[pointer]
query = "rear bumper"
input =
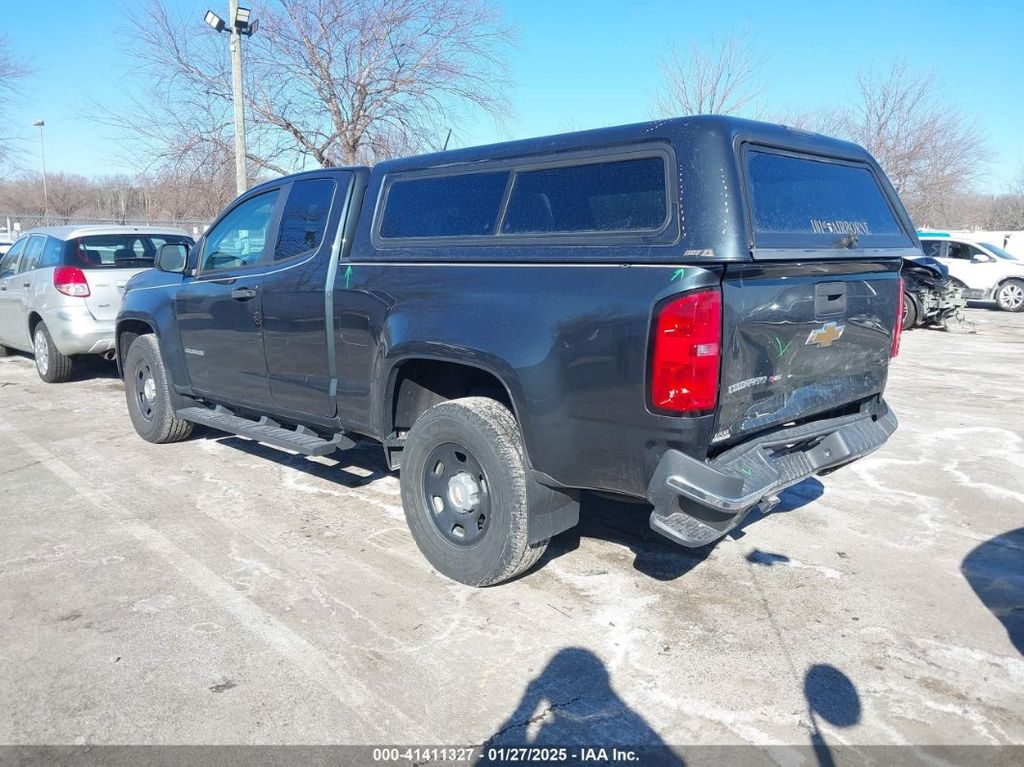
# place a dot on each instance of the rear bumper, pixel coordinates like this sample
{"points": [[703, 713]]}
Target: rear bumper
{"points": [[697, 502], [75, 331]]}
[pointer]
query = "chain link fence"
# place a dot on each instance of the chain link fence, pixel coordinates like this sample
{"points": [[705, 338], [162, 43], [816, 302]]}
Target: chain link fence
{"points": [[15, 224]]}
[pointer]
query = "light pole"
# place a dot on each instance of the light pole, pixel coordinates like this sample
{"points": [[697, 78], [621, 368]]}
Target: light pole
{"points": [[240, 25], [42, 155]]}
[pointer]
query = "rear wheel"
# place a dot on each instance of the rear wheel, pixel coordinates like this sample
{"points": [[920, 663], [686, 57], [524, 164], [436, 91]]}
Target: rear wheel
{"points": [[1010, 296], [464, 490], [147, 388], [52, 366], [910, 311]]}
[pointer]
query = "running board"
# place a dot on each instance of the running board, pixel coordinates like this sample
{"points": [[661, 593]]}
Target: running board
{"points": [[300, 439]]}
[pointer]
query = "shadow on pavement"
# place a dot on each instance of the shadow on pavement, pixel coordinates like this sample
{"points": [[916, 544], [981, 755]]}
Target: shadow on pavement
{"points": [[571, 703], [366, 457], [995, 570], [831, 696], [627, 524], [601, 517]]}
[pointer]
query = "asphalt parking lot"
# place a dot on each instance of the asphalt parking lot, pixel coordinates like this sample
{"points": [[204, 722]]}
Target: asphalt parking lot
{"points": [[217, 591]]}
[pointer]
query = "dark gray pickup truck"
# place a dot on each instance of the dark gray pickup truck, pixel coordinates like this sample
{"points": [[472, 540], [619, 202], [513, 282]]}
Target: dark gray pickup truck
{"points": [[698, 312]]}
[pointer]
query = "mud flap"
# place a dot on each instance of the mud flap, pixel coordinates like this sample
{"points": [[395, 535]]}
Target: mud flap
{"points": [[552, 511]]}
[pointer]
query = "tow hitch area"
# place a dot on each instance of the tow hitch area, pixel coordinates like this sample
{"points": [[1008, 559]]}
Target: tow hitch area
{"points": [[698, 502]]}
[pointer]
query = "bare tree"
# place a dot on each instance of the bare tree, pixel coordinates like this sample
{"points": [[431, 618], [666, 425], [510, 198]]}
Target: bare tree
{"points": [[931, 150], [68, 194], [12, 70], [720, 77], [327, 82]]}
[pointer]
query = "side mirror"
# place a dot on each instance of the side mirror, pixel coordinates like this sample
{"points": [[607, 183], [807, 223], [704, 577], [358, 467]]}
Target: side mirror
{"points": [[982, 258], [172, 258]]}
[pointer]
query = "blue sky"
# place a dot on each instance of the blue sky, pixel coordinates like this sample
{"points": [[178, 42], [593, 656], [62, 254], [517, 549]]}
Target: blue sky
{"points": [[580, 64]]}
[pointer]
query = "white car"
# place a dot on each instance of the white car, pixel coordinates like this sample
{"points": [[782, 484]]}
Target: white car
{"points": [[986, 271]]}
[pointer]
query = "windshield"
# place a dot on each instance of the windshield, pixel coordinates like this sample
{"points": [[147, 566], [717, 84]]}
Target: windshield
{"points": [[997, 251], [118, 251]]}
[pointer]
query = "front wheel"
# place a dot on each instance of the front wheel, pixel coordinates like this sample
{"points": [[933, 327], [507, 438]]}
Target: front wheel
{"points": [[147, 389], [52, 366], [465, 490], [1010, 296]]}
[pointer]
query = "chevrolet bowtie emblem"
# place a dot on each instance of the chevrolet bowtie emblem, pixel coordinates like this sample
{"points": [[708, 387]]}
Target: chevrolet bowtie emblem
{"points": [[826, 335]]}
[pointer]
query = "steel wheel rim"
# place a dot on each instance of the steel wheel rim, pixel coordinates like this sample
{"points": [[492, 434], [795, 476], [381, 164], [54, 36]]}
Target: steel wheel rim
{"points": [[42, 352], [144, 386], [456, 495], [1011, 296]]}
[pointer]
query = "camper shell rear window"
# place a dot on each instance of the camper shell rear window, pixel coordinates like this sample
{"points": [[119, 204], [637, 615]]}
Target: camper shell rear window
{"points": [[806, 201]]}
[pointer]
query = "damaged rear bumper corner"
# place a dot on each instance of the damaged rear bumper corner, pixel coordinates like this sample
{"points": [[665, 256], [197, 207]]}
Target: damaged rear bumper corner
{"points": [[697, 502]]}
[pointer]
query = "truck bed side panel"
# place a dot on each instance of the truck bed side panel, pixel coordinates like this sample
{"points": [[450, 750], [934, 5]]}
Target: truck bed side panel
{"points": [[568, 342]]}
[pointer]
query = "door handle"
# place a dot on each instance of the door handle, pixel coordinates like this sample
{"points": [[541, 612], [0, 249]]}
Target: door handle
{"points": [[243, 294], [3, 288], [26, 284]]}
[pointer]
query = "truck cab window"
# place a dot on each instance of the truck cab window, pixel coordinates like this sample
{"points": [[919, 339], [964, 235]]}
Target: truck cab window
{"points": [[238, 240], [304, 218]]}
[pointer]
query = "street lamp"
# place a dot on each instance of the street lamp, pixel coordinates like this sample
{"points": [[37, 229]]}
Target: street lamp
{"points": [[42, 155], [241, 24]]}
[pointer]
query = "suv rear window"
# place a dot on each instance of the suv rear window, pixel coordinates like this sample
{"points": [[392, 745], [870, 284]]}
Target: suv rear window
{"points": [[118, 251], [806, 202]]}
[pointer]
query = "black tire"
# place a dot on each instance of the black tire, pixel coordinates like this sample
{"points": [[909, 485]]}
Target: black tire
{"points": [[52, 366], [910, 311], [493, 546], [147, 388], [1010, 296]]}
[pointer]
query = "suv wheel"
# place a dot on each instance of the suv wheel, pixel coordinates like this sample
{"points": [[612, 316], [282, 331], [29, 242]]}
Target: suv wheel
{"points": [[147, 388], [52, 366], [464, 490], [1010, 296]]}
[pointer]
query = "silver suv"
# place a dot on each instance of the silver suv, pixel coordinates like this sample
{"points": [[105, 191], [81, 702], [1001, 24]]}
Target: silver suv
{"points": [[61, 288]]}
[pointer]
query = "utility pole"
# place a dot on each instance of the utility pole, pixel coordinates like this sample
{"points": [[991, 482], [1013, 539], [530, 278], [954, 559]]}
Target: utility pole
{"points": [[238, 24], [42, 155], [241, 177]]}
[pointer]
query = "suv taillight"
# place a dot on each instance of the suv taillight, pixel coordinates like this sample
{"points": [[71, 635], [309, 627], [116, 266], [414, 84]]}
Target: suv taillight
{"points": [[70, 281], [897, 330], [686, 353]]}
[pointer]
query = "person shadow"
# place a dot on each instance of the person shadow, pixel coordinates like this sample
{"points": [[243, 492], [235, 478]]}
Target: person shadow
{"points": [[831, 696], [995, 570], [571, 703]]}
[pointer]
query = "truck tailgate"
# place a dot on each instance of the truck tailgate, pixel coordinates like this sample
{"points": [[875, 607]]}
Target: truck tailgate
{"points": [[800, 338]]}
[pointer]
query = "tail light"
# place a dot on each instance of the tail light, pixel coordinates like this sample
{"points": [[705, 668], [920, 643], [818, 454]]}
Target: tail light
{"points": [[70, 281], [897, 329], [686, 353]]}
